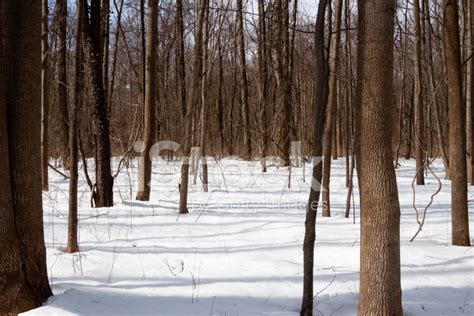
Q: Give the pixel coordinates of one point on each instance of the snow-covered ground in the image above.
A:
(239, 251)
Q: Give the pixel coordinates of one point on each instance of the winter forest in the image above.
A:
(236, 158)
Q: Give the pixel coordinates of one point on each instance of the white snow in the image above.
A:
(239, 251)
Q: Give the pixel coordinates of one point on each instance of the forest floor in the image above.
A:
(239, 251)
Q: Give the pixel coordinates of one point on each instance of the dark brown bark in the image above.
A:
(457, 132)
(380, 290)
(149, 130)
(470, 97)
(103, 191)
(420, 146)
(321, 84)
(17, 296)
(21, 200)
(45, 64)
(63, 84)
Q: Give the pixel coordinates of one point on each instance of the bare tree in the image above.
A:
(103, 191)
(72, 244)
(457, 132)
(244, 94)
(419, 116)
(193, 101)
(149, 130)
(63, 84)
(321, 83)
(332, 99)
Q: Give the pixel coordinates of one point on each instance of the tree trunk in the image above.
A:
(321, 83)
(457, 132)
(103, 191)
(329, 128)
(419, 119)
(192, 103)
(72, 244)
(149, 129)
(204, 106)
(21, 224)
(244, 102)
(45, 64)
(263, 82)
(470, 97)
(63, 84)
(380, 290)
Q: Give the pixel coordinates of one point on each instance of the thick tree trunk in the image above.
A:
(457, 132)
(149, 129)
(103, 191)
(470, 97)
(321, 82)
(72, 244)
(22, 179)
(63, 84)
(380, 291)
(45, 64)
(331, 116)
(17, 296)
(244, 94)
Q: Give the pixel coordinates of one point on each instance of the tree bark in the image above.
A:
(45, 64)
(63, 84)
(149, 129)
(380, 290)
(470, 96)
(320, 102)
(419, 116)
(103, 191)
(332, 100)
(244, 102)
(263, 82)
(21, 175)
(457, 132)
(72, 244)
(193, 101)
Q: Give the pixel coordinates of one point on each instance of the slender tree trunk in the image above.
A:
(321, 82)
(329, 128)
(149, 129)
(72, 244)
(263, 81)
(457, 132)
(105, 38)
(439, 131)
(380, 290)
(45, 64)
(244, 102)
(22, 71)
(192, 103)
(419, 116)
(103, 192)
(63, 84)
(204, 101)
